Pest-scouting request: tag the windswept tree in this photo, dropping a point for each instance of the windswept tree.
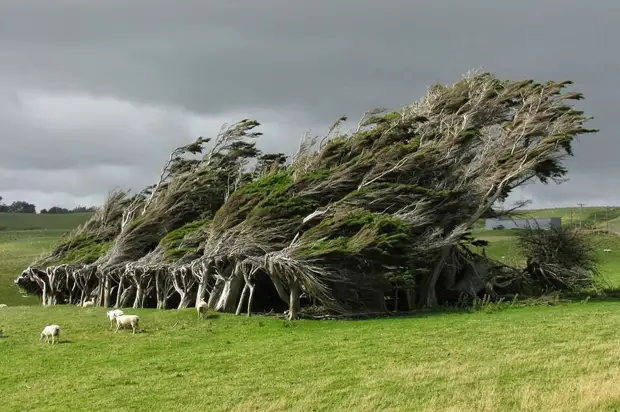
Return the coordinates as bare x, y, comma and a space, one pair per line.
387, 207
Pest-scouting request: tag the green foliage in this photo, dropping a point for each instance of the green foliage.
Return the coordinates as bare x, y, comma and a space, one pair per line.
184, 241
84, 248
358, 231
176, 236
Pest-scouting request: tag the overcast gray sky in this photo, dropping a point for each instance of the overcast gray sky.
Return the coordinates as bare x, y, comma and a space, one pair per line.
95, 94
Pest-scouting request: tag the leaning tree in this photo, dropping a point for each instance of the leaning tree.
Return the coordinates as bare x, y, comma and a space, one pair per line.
387, 207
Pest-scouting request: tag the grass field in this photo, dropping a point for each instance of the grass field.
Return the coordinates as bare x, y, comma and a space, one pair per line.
28, 221
538, 358
557, 358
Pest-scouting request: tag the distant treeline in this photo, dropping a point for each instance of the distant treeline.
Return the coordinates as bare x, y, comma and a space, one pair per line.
21, 206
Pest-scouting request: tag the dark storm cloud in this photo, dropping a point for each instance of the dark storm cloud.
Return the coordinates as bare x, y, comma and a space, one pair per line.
321, 58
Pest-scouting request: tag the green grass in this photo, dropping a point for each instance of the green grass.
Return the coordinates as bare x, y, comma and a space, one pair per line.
28, 221
554, 358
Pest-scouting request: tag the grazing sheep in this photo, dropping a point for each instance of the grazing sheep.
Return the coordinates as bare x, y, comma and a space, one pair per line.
112, 314
607, 250
52, 331
3, 305
88, 304
202, 308
127, 320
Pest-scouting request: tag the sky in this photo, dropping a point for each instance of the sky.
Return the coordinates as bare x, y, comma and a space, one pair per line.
95, 94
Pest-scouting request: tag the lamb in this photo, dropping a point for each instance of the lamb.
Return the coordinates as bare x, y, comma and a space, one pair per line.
88, 304
112, 314
127, 320
52, 331
202, 308
606, 250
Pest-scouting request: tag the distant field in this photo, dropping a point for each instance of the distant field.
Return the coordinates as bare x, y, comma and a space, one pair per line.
27, 221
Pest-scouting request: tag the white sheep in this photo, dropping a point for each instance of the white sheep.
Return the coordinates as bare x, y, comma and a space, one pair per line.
112, 314
127, 320
606, 250
202, 308
52, 331
88, 304
3, 305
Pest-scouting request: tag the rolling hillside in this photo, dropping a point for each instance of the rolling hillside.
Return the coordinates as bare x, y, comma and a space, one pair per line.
27, 221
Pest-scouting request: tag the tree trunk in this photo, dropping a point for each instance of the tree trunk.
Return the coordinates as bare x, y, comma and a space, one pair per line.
294, 303
125, 296
429, 291
186, 298
139, 296
230, 293
44, 295
119, 294
202, 289
106, 291
243, 294
396, 300
161, 296
216, 292
410, 298
250, 299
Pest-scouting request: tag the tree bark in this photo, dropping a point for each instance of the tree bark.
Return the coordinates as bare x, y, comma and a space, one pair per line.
294, 303
429, 291
106, 290
139, 296
230, 293
241, 299
119, 293
250, 299
186, 298
202, 287
216, 292
126, 295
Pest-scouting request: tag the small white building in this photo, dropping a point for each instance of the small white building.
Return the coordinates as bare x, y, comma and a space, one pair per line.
509, 223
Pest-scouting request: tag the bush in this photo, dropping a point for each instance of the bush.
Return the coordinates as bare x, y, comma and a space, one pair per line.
558, 258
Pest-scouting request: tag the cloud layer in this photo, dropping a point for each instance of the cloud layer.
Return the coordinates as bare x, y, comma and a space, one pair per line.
94, 95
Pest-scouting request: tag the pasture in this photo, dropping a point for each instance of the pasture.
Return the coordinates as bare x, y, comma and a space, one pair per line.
556, 357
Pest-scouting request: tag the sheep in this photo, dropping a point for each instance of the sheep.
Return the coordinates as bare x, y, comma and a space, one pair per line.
127, 320
202, 308
88, 304
3, 305
606, 250
1, 334
52, 331
112, 314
